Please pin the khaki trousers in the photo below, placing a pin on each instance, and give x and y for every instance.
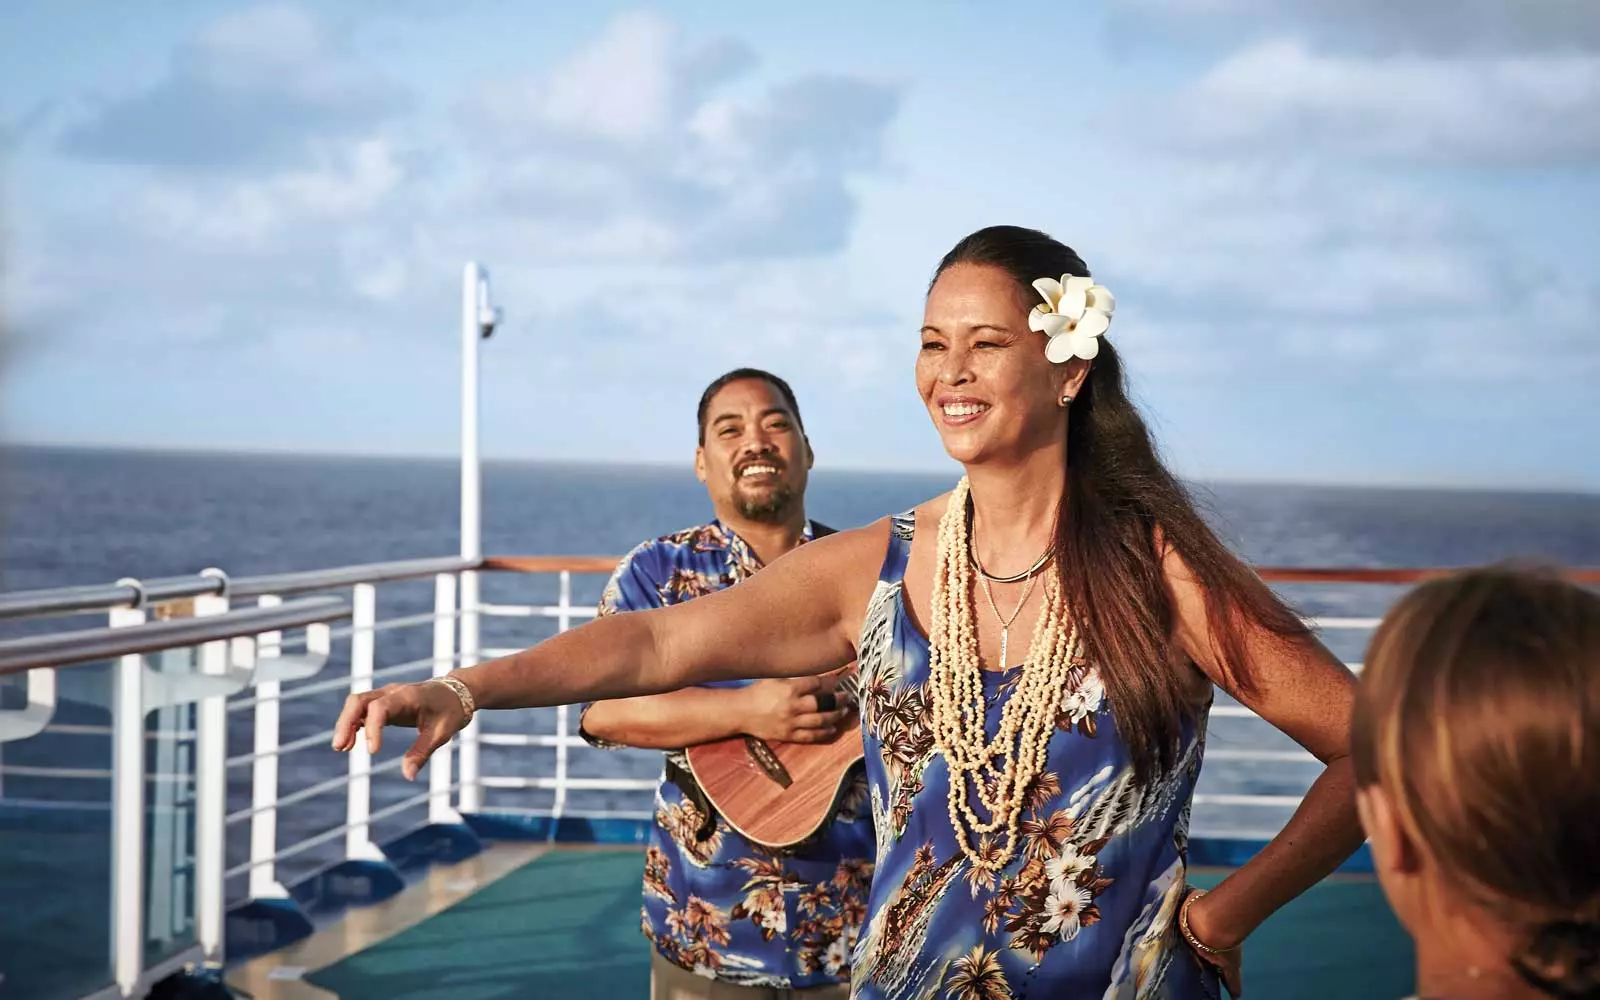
(668, 982)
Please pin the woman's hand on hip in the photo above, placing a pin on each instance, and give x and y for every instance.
(1210, 943)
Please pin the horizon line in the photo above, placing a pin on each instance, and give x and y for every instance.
(1569, 489)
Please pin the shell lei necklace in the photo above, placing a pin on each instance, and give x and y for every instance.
(957, 708)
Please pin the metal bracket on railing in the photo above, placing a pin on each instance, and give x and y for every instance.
(213, 573)
(183, 686)
(174, 679)
(140, 595)
(272, 664)
(21, 723)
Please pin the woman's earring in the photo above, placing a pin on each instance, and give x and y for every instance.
(1066, 399)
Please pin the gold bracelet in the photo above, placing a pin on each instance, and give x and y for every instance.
(1188, 935)
(463, 694)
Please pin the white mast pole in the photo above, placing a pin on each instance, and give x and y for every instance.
(478, 319)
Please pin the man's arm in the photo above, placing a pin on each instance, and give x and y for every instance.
(772, 709)
(781, 709)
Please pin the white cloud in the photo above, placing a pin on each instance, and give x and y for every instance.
(1501, 111)
(261, 88)
(620, 88)
(637, 83)
(1243, 268)
(635, 152)
(1393, 26)
(345, 184)
(276, 45)
(1304, 206)
(382, 278)
(638, 147)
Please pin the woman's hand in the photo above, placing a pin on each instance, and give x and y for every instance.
(1226, 954)
(434, 709)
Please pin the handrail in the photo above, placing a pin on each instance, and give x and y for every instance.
(309, 581)
(551, 564)
(130, 593)
(91, 645)
(123, 594)
(1311, 574)
(1271, 574)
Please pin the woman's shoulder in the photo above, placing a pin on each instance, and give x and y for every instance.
(873, 536)
(876, 531)
(835, 553)
(929, 512)
(851, 557)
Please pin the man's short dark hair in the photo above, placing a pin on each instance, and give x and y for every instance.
(739, 375)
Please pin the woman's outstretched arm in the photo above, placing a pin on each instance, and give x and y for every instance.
(795, 617)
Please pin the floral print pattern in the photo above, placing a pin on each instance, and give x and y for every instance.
(714, 903)
(977, 975)
(905, 727)
(1085, 908)
(1082, 699)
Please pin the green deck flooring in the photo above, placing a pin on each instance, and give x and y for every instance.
(567, 925)
(55, 920)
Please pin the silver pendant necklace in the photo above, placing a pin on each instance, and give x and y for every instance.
(1028, 575)
(1005, 624)
(972, 556)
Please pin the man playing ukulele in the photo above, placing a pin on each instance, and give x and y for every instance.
(755, 923)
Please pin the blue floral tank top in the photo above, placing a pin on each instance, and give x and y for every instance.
(1087, 907)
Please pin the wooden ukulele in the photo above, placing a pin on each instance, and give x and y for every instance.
(775, 793)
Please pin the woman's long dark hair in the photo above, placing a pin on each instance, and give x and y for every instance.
(1119, 499)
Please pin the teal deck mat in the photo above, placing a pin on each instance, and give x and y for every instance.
(567, 925)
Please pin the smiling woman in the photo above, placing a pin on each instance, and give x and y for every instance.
(1031, 817)
(995, 400)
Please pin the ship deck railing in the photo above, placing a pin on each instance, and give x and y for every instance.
(152, 885)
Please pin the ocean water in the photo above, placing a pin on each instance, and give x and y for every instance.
(70, 517)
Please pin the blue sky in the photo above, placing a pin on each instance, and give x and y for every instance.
(1351, 240)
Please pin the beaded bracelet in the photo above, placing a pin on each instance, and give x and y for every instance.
(463, 694)
(1188, 935)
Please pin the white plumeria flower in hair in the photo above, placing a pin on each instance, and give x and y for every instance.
(1075, 312)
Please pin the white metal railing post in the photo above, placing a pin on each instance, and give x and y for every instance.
(563, 622)
(211, 790)
(478, 319)
(470, 798)
(363, 645)
(264, 778)
(473, 300)
(168, 843)
(127, 810)
(444, 654)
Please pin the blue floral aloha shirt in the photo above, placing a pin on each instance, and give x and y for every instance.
(715, 903)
